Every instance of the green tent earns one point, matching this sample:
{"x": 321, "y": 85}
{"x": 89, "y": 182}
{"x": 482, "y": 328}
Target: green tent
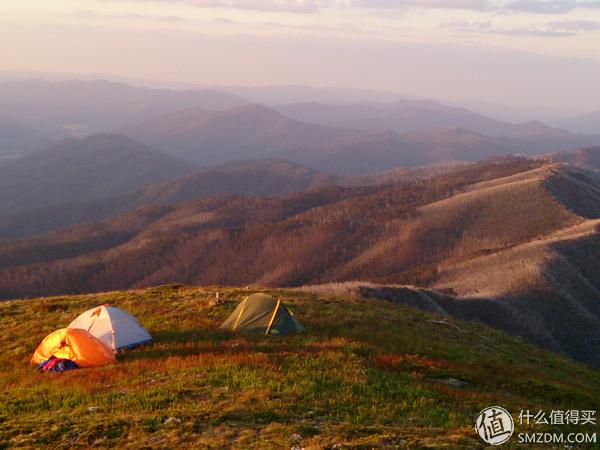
{"x": 261, "y": 313}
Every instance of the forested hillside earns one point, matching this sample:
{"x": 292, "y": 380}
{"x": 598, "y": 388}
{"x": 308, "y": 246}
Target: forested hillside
{"x": 508, "y": 230}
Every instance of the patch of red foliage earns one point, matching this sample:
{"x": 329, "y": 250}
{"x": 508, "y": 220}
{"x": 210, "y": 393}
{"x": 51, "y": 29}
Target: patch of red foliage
{"x": 406, "y": 361}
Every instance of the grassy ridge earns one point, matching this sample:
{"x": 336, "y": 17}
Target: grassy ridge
{"x": 364, "y": 374}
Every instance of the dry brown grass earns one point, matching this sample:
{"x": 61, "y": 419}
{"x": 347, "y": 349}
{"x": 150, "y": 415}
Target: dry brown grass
{"x": 514, "y": 270}
{"x": 487, "y": 217}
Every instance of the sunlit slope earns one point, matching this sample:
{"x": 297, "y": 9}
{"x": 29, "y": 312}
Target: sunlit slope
{"x": 483, "y": 218}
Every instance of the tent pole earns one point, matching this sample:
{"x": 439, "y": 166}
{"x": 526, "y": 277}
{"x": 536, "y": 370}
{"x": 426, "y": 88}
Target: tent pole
{"x": 97, "y": 314}
{"x": 273, "y": 316}
{"x": 240, "y": 314}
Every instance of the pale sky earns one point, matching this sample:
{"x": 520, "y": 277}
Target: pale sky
{"x": 519, "y": 52}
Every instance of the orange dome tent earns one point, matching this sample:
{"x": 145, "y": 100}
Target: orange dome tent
{"x": 76, "y": 345}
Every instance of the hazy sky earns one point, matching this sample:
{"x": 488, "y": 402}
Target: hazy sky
{"x": 521, "y": 52}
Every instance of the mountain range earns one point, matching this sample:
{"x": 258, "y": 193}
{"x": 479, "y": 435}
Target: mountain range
{"x": 583, "y": 123}
{"x": 282, "y": 94}
{"x": 75, "y": 108}
{"x": 252, "y": 131}
{"x": 105, "y": 175}
{"x": 211, "y": 127}
{"x": 400, "y": 116}
{"x": 102, "y": 176}
{"x": 508, "y": 233}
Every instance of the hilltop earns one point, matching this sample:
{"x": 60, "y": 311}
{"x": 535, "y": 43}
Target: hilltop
{"x": 83, "y": 170}
{"x": 216, "y": 137}
{"x": 366, "y": 373}
{"x": 586, "y": 158}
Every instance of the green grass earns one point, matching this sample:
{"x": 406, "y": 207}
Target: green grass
{"x": 365, "y": 374}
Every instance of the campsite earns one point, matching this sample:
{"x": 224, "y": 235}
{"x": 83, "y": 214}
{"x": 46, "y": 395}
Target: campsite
{"x": 357, "y": 377}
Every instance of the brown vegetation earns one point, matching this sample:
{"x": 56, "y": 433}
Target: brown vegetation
{"x": 322, "y": 235}
{"x": 511, "y": 236}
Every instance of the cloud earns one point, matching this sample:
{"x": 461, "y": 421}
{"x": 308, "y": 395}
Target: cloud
{"x": 559, "y": 28}
{"x": 313, "y": 6}
{"x": 89, "y": 14}
{"x": 442, "y": 4}
{"x": 292, "y": 6}
{"x": 576, "y": 25}
{"x": 497, "y": 6}
{"x": 531, "y": 31}
{"x": 549, "y": 6}
{"x": 487, "y": 27}
{"x": 467, "y": 25}
{"x": 541, "y": 6}
{"x": 333, "y": 29}
{"x": 296, "y": 6}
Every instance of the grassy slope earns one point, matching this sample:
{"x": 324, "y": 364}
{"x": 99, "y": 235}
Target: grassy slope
{"x": 362, "y": 376}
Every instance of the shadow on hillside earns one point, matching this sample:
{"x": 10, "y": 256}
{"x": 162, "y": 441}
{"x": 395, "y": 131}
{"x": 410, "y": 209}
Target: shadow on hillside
{"x": 178, "y": 343}
{"x": 561, "y": 313}
{"x": 192, "y": 335}
{"x": 198, "y": 342}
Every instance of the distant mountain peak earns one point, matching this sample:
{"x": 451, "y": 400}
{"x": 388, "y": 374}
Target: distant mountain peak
{"x": 85, "y": 169}
{"x": 254, "y": 108}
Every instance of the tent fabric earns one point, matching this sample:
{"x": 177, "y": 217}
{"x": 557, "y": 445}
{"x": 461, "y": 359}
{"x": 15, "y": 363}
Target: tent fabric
{"x": 261, "y": 313}
{"x": 113, "y": 326}
{"x": 77, "y": 345}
